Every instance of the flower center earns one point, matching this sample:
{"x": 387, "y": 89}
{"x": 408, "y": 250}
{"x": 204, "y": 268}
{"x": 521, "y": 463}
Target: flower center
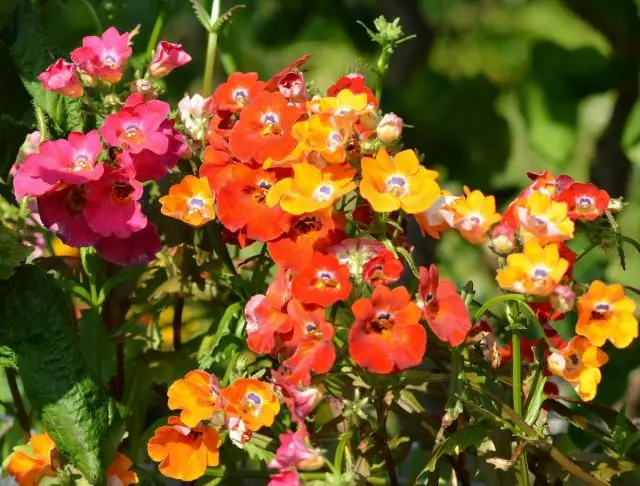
{"x": 537, "y": 221}
{"x": 270, "y": 124}
{"x": 306, "y": 225}
{"x": 74, "y": 202}
{"x": 260, "y": 191}
{"x": 312, "y": 330}
{"x": 397, "y": 185}
{"x": 334, "y": 141}
{"x": 540, "y": 273}
{"x": 121, "y": 192}
{"x": 240, "y": 95}
{"x": 326, "y": 280}
{"x": 323, "y": 193}
{"x": 253, "y": 403}
{"x": 81, "y": 163}
{"x": 132, "y": 135}
{"x": 195, "y": 204}
{"x": 109, "y": 60}
{"x": 383, "y": 321}
{"x": 600, "y": 310}
{"x": 584, "y": 204}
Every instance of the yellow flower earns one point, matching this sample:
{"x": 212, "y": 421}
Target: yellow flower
{"x": 323, "y": 137}
{"x": 346, "y": 104}
{"x": 190, "y": 201}
{"x": 579, "y": 363}
{"x": 604, "y": 312}
{"x": 399, "y": 182}
{"x": 535, "y": 271}
{"x": 311, "y": 189}
{"x": 542, "y": 218}
{"x": 473, "y": 215}
{"x": 433, "y": 220}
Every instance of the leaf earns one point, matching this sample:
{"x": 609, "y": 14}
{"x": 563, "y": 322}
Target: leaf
{"x": 201, "y": 14}
{"x": 75, "y": 409}
{"x": 225, "y": 19}
{"x": 96, "y": 345}
{"x": 12, "y": 252}
{"x": 469, "y": 436}
{"x": 206, "y": 354}
{"x": 128, "y": 273}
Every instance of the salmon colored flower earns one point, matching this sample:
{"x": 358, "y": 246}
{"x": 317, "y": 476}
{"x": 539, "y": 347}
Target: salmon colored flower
{"x": 535, "y": 271}
{"x": 584, "y": 201}
{"x": 473, "y": 215}
{"x": 543, "y": 219}
{"x": 168, "y": 56}
{"x": 442, "y": 307}
{"x": 103, "y": 57}
{"x": 264, "y": 128}
{"x": 29, "y": 468}
{"x": 384, "y": 269}
{"x": 579, "y": 363}
{"x": 190, "y": 201}
{"x": 252, "y": 401}
{"x": 241, "y": 204}
{"x": 119, "y": 472}
{"x": 238, "y": 91}
{"x": 62, "y": 77}
{"x": 387, "y": 336}
{"x": 390, "y": 183}
{"x": 322, "y": 281}
{"x": 605, "y": 313}
{"x": 196, "y": 395}
{"x": 323, "y": 137}
{"x": 184, "y": 453}
{"x": 311, "y": 189}
{"x": 433, "y": 221}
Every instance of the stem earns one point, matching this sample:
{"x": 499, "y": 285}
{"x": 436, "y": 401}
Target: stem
{"x": 177, "y": 323}
{"x": 21, "y": 412}
{"x": 220, "y": 248}
{"x": 340, "y": 450}
{"x": 210, "y": 60}
{"x": 381, "y": 68}
{"x": 155, "y": 33}
{"x": 41, "y": 122}
{"x": 94, "y": 16}
{"x": 383, "y": 412}
{"x": 516, "y": 363}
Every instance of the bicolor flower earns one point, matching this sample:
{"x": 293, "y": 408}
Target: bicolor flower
{"x": 62, "y": 77}
{"x": 190, "y": 201}
{"x": 252, "y": 401}
{"x": 195, "y": 115}
{"x": 473, "y": 215}
{"x": 391, "y": 183}
{"x": 544, "y": 219}
{"x": 355, "y": 253}
{"x": 30, "y": 465}
{"x": 584, "y": 201}
{"x": 295, "y": 451}
{"x": 300, "y": 401}
{"x": 389, "y": 129}
{"x": 196, "y": 395}
{"x": 356, "y": 83}
{"x": 238, "y": 91}
{"x": 322, "y": 281}
{"x": 345, "y": 104}
{"x": 435, "y": 219}
{"x": 384, "y": 269}
{"x": 323, "y": 137}
{"x": 168, "y": 56}
{"x": 119, "y": 472}
{"x": 103, "y": 57}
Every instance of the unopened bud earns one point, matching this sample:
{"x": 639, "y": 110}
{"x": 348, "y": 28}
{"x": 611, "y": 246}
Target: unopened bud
{"x": 88, "y": 80}
{"x": 112, "y": 101}
{"x": 143, "y": 87}
{"x": 503, "y": 239}
{"x": 615, "y": 205}
{"x": 390, "y": 128}
{"x": 563, "y": 298}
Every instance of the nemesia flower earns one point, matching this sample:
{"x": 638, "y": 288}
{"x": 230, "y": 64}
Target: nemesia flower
{"x": 311, "y": 189}
{"x": 442, "y": 307}
{"x": 293, "y": 86}
{"x": 238, "y": 432}
{"x": 252, "y": 401}
{"x": 535, "y": 271}
{"x": 138, "y": 248}
{"x": 31, "y": 145}
{"x": 295, "y": 451}
{"x": 546, "y": 183}
{"x": 384, "y": 269}
{"x": 389, "y": 129}
{"x": 433, "y": 220}
{"x": 579, "y": 363}
{"x": 345, "y": 103}
{"x": 103, "y": 57}
{"x": 323, "y": 137}
{"x": 356, "y": 252}
{"x": 390, "y": 183}
{"x": 322, "y": 281}
{"x": 473, "y": 215}
{"x": 144, "y": 87}
{"x": 194, "y": 115}
{"x": 184, "y": 453}
{"x": 300, "y": 401}
{"x": 29, "y": 468}
{"x": 196, "y": 395}
{"x": 503, "y": 239}
{"x": 387, "y": 336}
{"x": 190, "y": 201}
{"x": 288, "y": 477}
{"x": 563, "y": 298}
{"x": 168, "y": 56}
{"x": 119, "y": 472}
{"x": 73, "y": 161}
{"x": 238, "y": 91}
{"x": 355, "y": 82}
{"x": 584, "y": 201}
{"x": 543, "y": 219}
{"x": 62, "y": 77}
{"x": 276, "y": 81}
{"x": 605, "y": 313}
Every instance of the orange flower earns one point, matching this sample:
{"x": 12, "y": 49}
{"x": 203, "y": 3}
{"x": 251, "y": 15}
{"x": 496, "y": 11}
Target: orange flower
{"x": 604, "y": 312}
{"x": 184, "y": 453}
{"x": 390, "y": 183}
{"x": 252, "y": 401}
{"x": 322, "y": 281}
{"x": 119, "y": 472}
{"x": 190, "y": 201}
{"x": 543, "y": 219}
{"x": 579, "y": 363}
{"x": 345, "y": 103}
{"x": 311, "y": 189}
{"x": 473, "y": 215}
{"x": 323, "y": 137}
{"x": 29, "y": 468}
{"x": 387, "y": 335}
{"x": 195, "y": 395}
{"x": 433, "y": 221}
{"x": 237, "y": 91}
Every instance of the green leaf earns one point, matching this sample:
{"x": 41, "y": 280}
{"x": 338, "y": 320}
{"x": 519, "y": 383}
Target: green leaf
{"x": 96, "y": 345}
{"x": 466, "y": 437}
{"x": 210, "y": 345}
{"x": 12, "y": 252}
{"x": 225, "y": 19}
{"x": 201, "y": 14}
{"x": 74, "y": 407}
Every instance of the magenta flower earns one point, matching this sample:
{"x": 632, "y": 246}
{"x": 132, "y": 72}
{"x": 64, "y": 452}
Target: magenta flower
{"x": 137, "y": 126}
{"x": 103, "y": 57}
{"x": 62, "y": 77}
{"x": 285, "y": 478}
{"x": 168, "y": 57}
{"x": 137, "y": 249}
{"x": 73, "y": 161}
{"x": 62, "y": 212}
{"x": 294, "y": 451}
{"x": 28, "y": 179}
{"x": 113, "y": 206}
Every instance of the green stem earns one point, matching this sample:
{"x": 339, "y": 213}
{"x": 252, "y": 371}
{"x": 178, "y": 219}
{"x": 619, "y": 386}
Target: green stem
{"x": 381, "y": 68}
{"x": 210, "y": 60}
{"x": 516, "y": 365}
{"x": 21, "y": 412}
{"x": 497, "y": 300}
{"x": 41, "y": 122}
{"x": 340, "y": 451}
{"x": 155, "y": 33}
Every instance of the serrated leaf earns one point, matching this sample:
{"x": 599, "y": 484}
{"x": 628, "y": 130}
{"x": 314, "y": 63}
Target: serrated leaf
{"x": 201, "y": 14}
{"x": 225, "y": 19}
{"x": 12, "y": 252}
{"x": 457, "y": 442}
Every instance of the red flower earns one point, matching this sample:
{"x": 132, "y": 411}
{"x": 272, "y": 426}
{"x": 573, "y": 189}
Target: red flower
{"x": 314, "y": 350}
{"x": 584, "y": 201}
{"x": 443, "y": 308}
{"x": 308, "y": 233}
{"x": 264, "y": 128}
{"x": 356, "y": 83}
{"x": 569, "y": 255}
{"x": 387, "y": 335}
{"x": 322, "y": 281}
{"x": 276, "y": 80}
{"x": 382, "y": 270}
{"x": 241, "y": 204}
{"x": 238, "y": 91}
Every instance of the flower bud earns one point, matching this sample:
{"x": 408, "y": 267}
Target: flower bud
{"x": 563, "y": 298}
{"x": 615, "y": 205}
{"x": 144, "y": 87}
{"x": 194, "y": 115}
{"x": 62, "y": 77}
{"x": 295, "y": 451}
{"x": 168, "y": 57}
{"x": 389, "y": 128}
{"x": 292, "y": 86}
{"x": 503, "y": 239}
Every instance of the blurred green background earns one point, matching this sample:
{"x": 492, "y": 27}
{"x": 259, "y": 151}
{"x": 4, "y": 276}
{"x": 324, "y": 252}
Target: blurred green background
{"x": 491, "y": 89}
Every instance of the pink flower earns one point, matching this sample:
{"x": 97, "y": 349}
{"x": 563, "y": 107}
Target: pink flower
{"x": 72, "y": 161}
{"x": 150, "y": 166}
{"x": 294, "y": 451}
{"x": 168, "y": 57}
{"x": 136, "y": 127}
{"x": 285, "y": 478}
{"x": 103, "y": 57}
{"x": 62, "y": 77}
{"x": 356, "y": 252}
{"x": 28, "y": 181}
{"x": 31, "y": 145}
{"x": 139, "y": 248}
{"x": 62, "y": 212}
{"x": 300, "y": 401}
{"x": 112, "y": 203}
{"x": 292, "y": 86}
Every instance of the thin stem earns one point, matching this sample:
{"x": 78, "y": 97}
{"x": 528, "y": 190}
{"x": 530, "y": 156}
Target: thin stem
{"x": 176, "y": 324}
{"x": 94, "y": 15}
{"x": 381, "y": 68}
{"x": 516, "y": 363}
{"x": 340, "y": 451}
{"x": 21, "y": 412}
{"x": 41, "y": 122}
{"x": 212, "y": 42}
{"x": 214, "y": 231}
{"x": 155, "y": 33}
{"x": 383, "y": 412}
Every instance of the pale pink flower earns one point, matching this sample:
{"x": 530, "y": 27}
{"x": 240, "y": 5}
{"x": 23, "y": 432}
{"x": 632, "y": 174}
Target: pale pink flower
{"x": 103, "y": 57}
{"x": 292, "y": 86}
{"x": 168, "y": 56}
{"x": 195, "y": 115}
{"x": 389, "y": 128}
{"x": 295, "y": 451}
{"x": 238, "y": 431}
{"x": 62, "y": 77}
{"x": 355, "y": 253}
{"x": 31, "y": 145}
